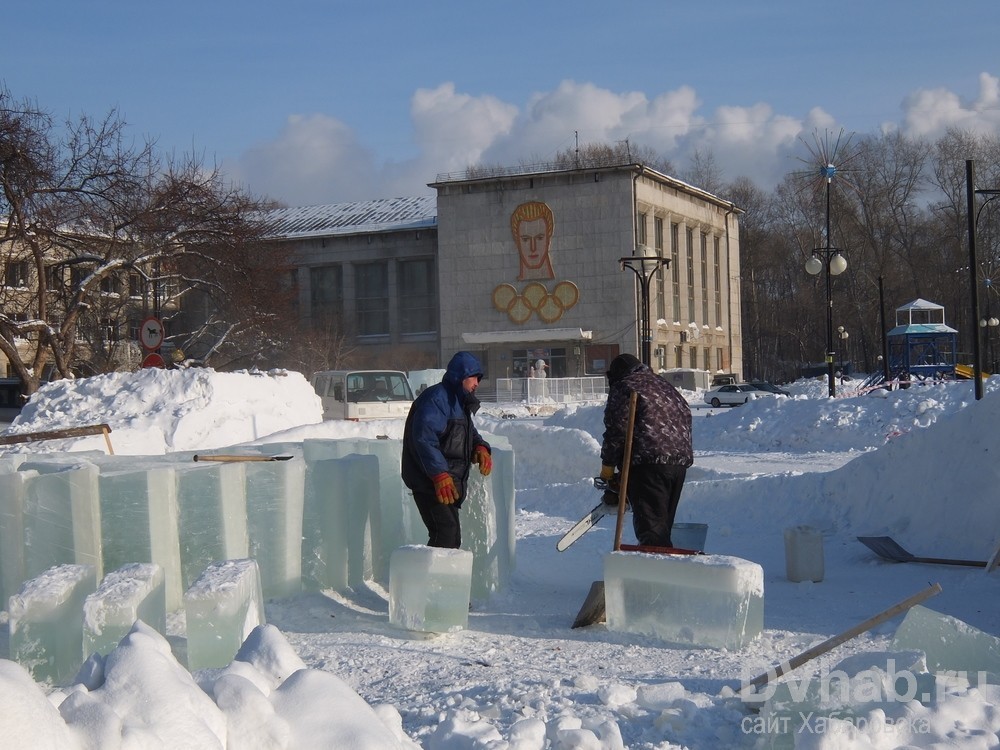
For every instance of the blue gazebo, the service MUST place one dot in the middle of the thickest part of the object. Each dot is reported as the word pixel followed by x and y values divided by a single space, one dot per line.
pixel 921 345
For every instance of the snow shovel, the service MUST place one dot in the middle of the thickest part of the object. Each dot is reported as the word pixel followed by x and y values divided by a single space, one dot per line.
pixel 886 548
pixel 223 458
pixel 592 610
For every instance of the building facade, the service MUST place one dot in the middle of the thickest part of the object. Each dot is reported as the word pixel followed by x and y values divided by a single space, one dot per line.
pixel 524 266
pixel 530 268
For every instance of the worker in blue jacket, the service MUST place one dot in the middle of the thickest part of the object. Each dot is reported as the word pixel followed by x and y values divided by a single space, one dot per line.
pixel 440 442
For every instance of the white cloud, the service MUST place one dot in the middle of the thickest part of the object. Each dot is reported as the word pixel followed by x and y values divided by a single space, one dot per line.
pixel 318 159
pixel 315 159
pixel 930 112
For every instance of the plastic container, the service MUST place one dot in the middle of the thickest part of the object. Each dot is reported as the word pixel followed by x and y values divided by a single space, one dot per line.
pixel 689 536
pixel 803 554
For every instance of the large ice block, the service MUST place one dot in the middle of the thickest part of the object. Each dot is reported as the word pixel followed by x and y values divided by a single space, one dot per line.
pixel 62 516
pixel 714 601
pixel 370 539
pixel 429 588
pixel 132 592
pixel 140 523
pixel 317 572
pixel 341 492
pixel 950 644
pixel 222 607
pixel 275 492
pixel 46 621
pixel 488 525
pixel 13 490
pixel 211 498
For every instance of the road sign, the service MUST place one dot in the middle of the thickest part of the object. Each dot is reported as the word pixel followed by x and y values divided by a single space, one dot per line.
pixel 151 334
pixel 153 360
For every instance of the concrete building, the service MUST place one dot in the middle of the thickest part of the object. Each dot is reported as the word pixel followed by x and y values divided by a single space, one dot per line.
pixel 524 265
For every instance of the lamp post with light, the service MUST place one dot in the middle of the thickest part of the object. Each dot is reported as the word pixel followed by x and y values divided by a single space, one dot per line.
pixel 830 260
pixel 972 217
pixel 843 335
pixel 644 266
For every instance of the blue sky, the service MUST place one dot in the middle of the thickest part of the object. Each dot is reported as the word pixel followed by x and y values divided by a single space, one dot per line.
pixel 312 102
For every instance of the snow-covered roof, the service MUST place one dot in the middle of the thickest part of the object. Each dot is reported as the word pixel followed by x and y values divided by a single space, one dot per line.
pixel 921 328
pixel 920 304
pixel 362 217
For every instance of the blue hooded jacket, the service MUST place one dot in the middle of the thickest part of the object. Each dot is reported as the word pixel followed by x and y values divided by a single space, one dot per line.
pixel 439 435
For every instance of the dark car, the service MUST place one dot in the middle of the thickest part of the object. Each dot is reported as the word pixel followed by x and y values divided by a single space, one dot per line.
pixel 770 388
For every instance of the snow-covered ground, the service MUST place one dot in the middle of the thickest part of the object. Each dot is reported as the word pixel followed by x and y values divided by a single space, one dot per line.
pixel 329 670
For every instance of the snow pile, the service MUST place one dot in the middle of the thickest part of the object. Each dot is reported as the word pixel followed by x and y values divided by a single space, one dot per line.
pixel 330 671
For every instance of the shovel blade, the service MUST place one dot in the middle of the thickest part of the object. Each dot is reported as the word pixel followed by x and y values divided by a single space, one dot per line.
pixel 592 610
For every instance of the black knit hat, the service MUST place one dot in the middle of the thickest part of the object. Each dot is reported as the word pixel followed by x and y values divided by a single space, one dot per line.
pixel 621 366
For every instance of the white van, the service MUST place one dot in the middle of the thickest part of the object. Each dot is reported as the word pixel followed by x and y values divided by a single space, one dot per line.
pixel 363 394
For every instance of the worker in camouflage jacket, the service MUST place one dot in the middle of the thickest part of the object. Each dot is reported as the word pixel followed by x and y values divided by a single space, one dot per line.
pixel 661 447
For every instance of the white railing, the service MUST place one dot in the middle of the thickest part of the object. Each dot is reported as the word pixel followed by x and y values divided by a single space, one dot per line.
pixel 550 390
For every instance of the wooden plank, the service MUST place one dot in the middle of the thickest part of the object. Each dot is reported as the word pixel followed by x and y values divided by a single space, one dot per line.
pixel 831 643
pixel 66 432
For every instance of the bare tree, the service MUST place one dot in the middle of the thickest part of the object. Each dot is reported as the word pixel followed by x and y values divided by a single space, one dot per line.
pixel 93 219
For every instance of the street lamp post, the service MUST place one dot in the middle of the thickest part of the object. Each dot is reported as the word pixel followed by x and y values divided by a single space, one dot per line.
pixel 644 266
pixel 834 264
pixel 843 335
pixel 972 217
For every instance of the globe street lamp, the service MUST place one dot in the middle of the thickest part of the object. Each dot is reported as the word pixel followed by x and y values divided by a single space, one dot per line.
pixel 644 266
pixel 989 325
pixel 829 259
pixel 843 335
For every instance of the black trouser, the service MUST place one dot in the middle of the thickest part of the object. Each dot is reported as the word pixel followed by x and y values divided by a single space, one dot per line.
pixel 653 492
pixel 441 521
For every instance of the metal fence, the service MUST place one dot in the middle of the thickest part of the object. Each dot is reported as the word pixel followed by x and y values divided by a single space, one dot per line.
pixel 550 390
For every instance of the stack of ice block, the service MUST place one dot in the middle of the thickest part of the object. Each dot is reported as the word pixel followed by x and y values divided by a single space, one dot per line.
pixel 429 588
pixel 211 499
pixel 140 523
pixel 714 601
pixel 222 607
pixel 133 592
pixel 274 496
pixel 62 516
pixel 46 622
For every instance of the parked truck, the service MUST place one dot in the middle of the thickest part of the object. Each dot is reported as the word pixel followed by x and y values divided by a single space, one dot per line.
pixel 363 394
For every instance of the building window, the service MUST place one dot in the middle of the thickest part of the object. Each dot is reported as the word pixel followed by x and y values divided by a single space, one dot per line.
pixel 111 285
pixel 326 296
pixel 17 274
pixel 675 268
pixel 135 285
pixel 417 296
pixel 704 279
pixel 678 357
pixel 661 292
pixel 706 358
pixel 717 274
pixel 640 229
pixel 690 278
pixel 719 361
pixel 371 284
pixel 523 359
pixel 109 330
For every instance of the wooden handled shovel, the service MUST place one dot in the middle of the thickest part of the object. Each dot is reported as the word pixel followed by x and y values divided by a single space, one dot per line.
pixel 593 608
pixel 224 458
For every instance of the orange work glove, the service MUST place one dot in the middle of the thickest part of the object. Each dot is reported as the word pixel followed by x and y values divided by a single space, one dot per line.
pixel 482 457
pixel 444 488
